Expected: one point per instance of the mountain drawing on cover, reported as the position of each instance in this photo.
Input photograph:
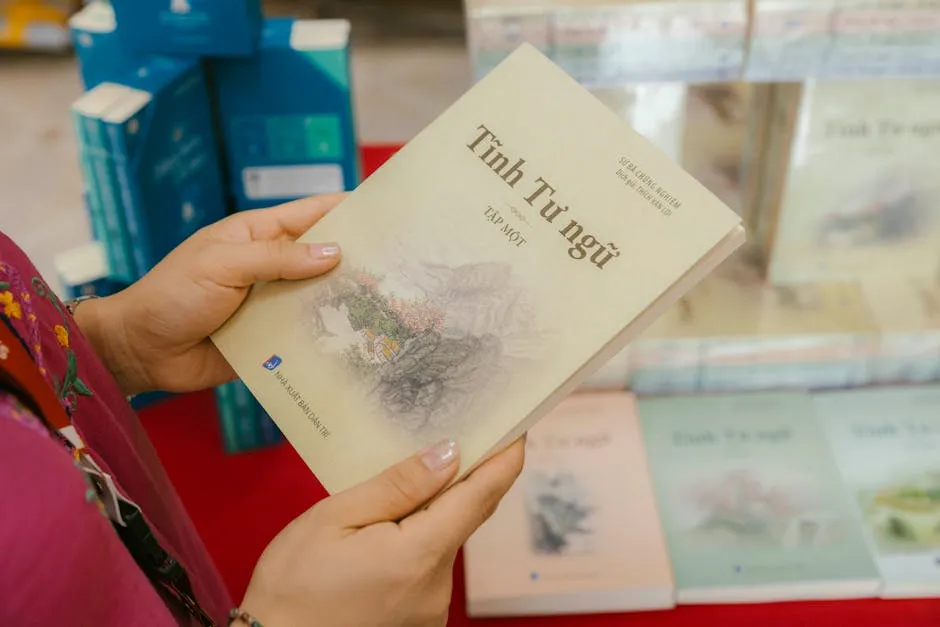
(560, 514)
(425, 342)
(740, 508)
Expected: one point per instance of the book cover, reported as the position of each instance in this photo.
(860, 195)
(752, 500)
(287, 114)
(579, 532)
(489, 267)
(887, 443)
(189, 28)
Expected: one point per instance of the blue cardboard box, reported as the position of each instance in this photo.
(287, 117)
(97, 47)
(84, 271)
(189, 27)
(155, 133)
(243, 422)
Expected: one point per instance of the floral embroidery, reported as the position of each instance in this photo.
(11, 308)
(71, 386)
(62, 335)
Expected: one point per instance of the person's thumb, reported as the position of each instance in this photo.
(242, 265)
(398, 491)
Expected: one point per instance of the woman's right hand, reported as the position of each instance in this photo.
(371, 556)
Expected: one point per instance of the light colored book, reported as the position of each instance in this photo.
(579, 532)
(856, 194)
(490, 267)
(752, 500)
(908, 317)
(734, 333)
(887, 443)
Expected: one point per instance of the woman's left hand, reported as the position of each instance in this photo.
(155, 334)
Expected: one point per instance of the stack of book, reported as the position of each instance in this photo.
(609, 43)
(630, 504)
(193, 110)
(841, 39)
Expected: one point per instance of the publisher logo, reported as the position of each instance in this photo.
(272, 362)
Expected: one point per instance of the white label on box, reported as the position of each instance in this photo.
(292, 181)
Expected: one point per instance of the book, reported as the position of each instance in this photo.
(101, 57)
(189, 28)
(908, 318)
(579, 532)
(489, 268)
(153, 141)
(854, 193)
(734, 333)
(752, 500)
(84, 271)
(286, 114)
(887, 444)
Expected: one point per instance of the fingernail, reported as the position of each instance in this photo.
(440, 456)
(324, 251)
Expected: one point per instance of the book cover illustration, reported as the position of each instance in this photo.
(860, 199)
(887, 444)
(747, 507)
(904, 514)
(425, 342)
(561, 512)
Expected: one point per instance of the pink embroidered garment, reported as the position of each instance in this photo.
(61, 562)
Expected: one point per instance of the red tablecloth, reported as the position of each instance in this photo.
(275, 486)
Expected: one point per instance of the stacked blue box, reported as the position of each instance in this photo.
(101, 57)
(84, 271)
(287, 116)
(189, 27)
(244, 424)
(150, 146)
(194, 109)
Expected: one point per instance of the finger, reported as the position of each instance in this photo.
(398, 491)
(291, 219)
(458, 513)
(242, 265)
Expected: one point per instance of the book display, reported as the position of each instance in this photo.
(690, 248)
(787, 402)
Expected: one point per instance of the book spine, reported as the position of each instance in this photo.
(225, 407)
(246, 417)
(117, 243)
(133, 209)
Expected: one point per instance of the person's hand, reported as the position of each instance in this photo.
(374, 556)
(155, 334)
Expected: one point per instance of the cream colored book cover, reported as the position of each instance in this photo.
(501, 257)
(579, 532)
(862, 196)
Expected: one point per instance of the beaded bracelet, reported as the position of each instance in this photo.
(241, 615)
